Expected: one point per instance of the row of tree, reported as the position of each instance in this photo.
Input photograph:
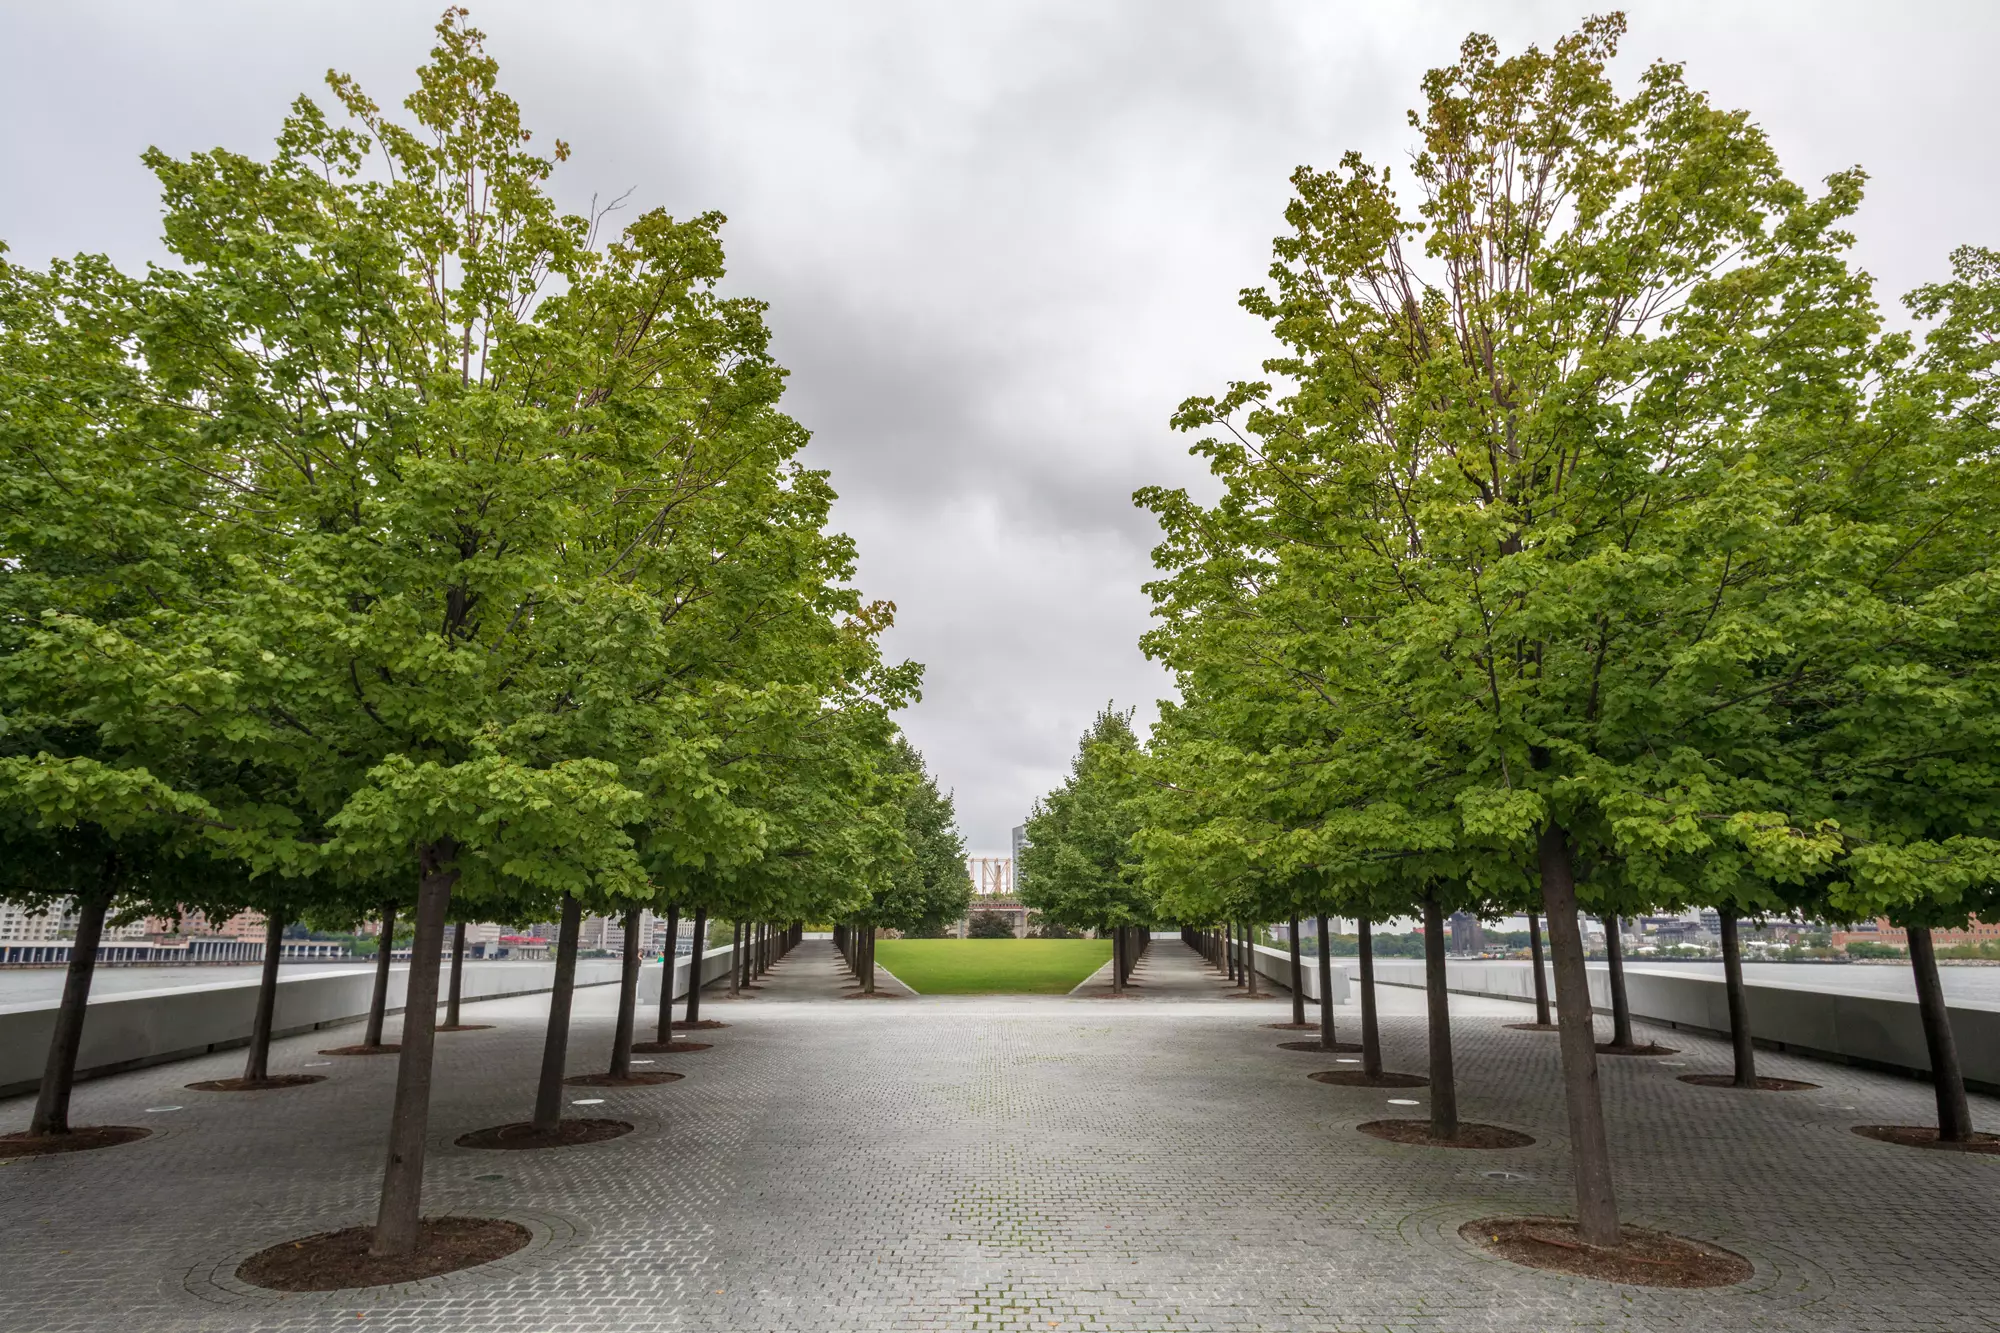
(1590, 547)
(411, 549)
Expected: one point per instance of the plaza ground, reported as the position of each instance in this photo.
(987, 967)
(1008, 1163)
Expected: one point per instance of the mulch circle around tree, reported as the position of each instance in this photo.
(25, 1144)
(1533, 1027)
(389, 1048)
(336, 1260)
(463, 1027)
(1418, 1133)
(1649, 1048)
(1357, 1078)
(870, 995)
(523, 1134)
(702, 1024)
(256, 1084)
(1338, 1048)
(670, 1047)
(642, 1079)
(1914, 1136)
(1246, 995)
(1293, 1027)
(1643, 1258)
(1763, 1084)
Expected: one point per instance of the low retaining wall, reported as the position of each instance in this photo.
(1876, 1031)
(135, 1029)
(1277, 965)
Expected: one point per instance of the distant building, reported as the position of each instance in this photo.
(1468, 937)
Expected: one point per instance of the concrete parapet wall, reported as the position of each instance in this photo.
(1277, 965)
(138, 1028)
(1878, 1031)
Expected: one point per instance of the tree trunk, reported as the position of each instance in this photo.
(1117, 961)
(378, 1004)
(1541, 982)
(1298, 980)
(457, 992)
(1621, 1012)
(257, 1066)
(735, 959)
(555, 1046)
(1953, 1115)
(1250, 958)
(1229, 951)
(668, 963)
(1739, 1008)
(1444, 1088)
(1590, 1147)
(868, 959)
(59, 1075)
(1325, 961)
(628, 999)
(1371, 1035)
(695, 964)
(397, 1219)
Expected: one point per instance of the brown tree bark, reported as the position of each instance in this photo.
(1371, 1034)
(1117, 961)
(1739, 1006)
(59, 1074)
(378, 1003)
(1250, 957)
(555, 1046)
(868, 959)
(695, 965)
(735, 959)
(398, 1218)
(1298, 980)
(668, 962)
(1437, 994)
(1621, 1010)
(1325, 961)
(452, 998)
(1590, 1146)
(257, 1065)
(1541, 982)
(628, 998)
(1954, 1116)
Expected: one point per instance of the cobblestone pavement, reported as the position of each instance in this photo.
(1006, 1164)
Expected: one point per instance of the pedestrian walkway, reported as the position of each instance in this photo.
(1166, 970)
(1014, 1164)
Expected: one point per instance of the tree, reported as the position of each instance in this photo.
(989, 926)
(933, 887)
(514, 490)
(1079, 867)
(1514, 504)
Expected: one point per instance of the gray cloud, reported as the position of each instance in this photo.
(1000, 243)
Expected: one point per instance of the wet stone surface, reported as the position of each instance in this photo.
(1004, 1164)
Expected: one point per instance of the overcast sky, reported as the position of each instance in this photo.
(1000, 242)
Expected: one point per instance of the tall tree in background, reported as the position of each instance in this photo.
(1079, 867)
(933, 887)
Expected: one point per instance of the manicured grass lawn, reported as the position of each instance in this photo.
(985, 967)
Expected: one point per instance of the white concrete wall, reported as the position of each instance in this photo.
(1277, 965)
(133, 1029)
(1883, 1031)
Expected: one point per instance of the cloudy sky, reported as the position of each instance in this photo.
(1000, 241)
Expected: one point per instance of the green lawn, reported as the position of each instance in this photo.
(986, 967)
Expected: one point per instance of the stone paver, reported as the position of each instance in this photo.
(1004, 1163)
